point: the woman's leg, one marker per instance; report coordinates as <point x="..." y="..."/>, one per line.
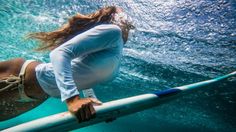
<point x="10" y="67"/>
<point x="9" y="106"/>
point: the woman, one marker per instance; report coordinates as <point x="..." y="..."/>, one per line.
<point x="84" y="52"/>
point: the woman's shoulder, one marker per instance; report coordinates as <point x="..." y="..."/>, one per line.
<point x="110" y="27"/>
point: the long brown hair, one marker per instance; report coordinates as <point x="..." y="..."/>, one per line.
<point x="79" y="22"/>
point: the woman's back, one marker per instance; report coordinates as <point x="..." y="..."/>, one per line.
<point x="89" y="67"/>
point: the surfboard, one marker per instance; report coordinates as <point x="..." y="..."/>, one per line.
<point x="114" y="109"/>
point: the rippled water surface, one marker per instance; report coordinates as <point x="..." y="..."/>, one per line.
<point x="174" y="43"/>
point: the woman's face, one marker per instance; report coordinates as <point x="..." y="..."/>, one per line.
<point x="119" y="10"/>
<point x="121" y="19"/>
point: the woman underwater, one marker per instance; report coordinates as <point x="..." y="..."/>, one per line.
<point x="83" y="53"/>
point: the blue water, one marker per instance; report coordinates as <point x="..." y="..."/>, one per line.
<point x="175" y="43"/>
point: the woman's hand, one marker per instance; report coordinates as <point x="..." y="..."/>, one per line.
<point x="82" y="108"/>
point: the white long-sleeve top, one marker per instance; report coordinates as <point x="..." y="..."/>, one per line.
<point x="89" y="58"/>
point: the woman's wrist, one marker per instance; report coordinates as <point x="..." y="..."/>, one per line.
<point x="71" y="99"/>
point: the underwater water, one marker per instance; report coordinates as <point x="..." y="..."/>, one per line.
<point x="176" y="42"/>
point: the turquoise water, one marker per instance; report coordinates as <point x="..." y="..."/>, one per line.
<point x="175" y="43"/>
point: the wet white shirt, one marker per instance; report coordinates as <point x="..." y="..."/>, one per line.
<point x="89" y="58"/>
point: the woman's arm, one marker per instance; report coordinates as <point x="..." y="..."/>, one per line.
<point x="96" y="39"/>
